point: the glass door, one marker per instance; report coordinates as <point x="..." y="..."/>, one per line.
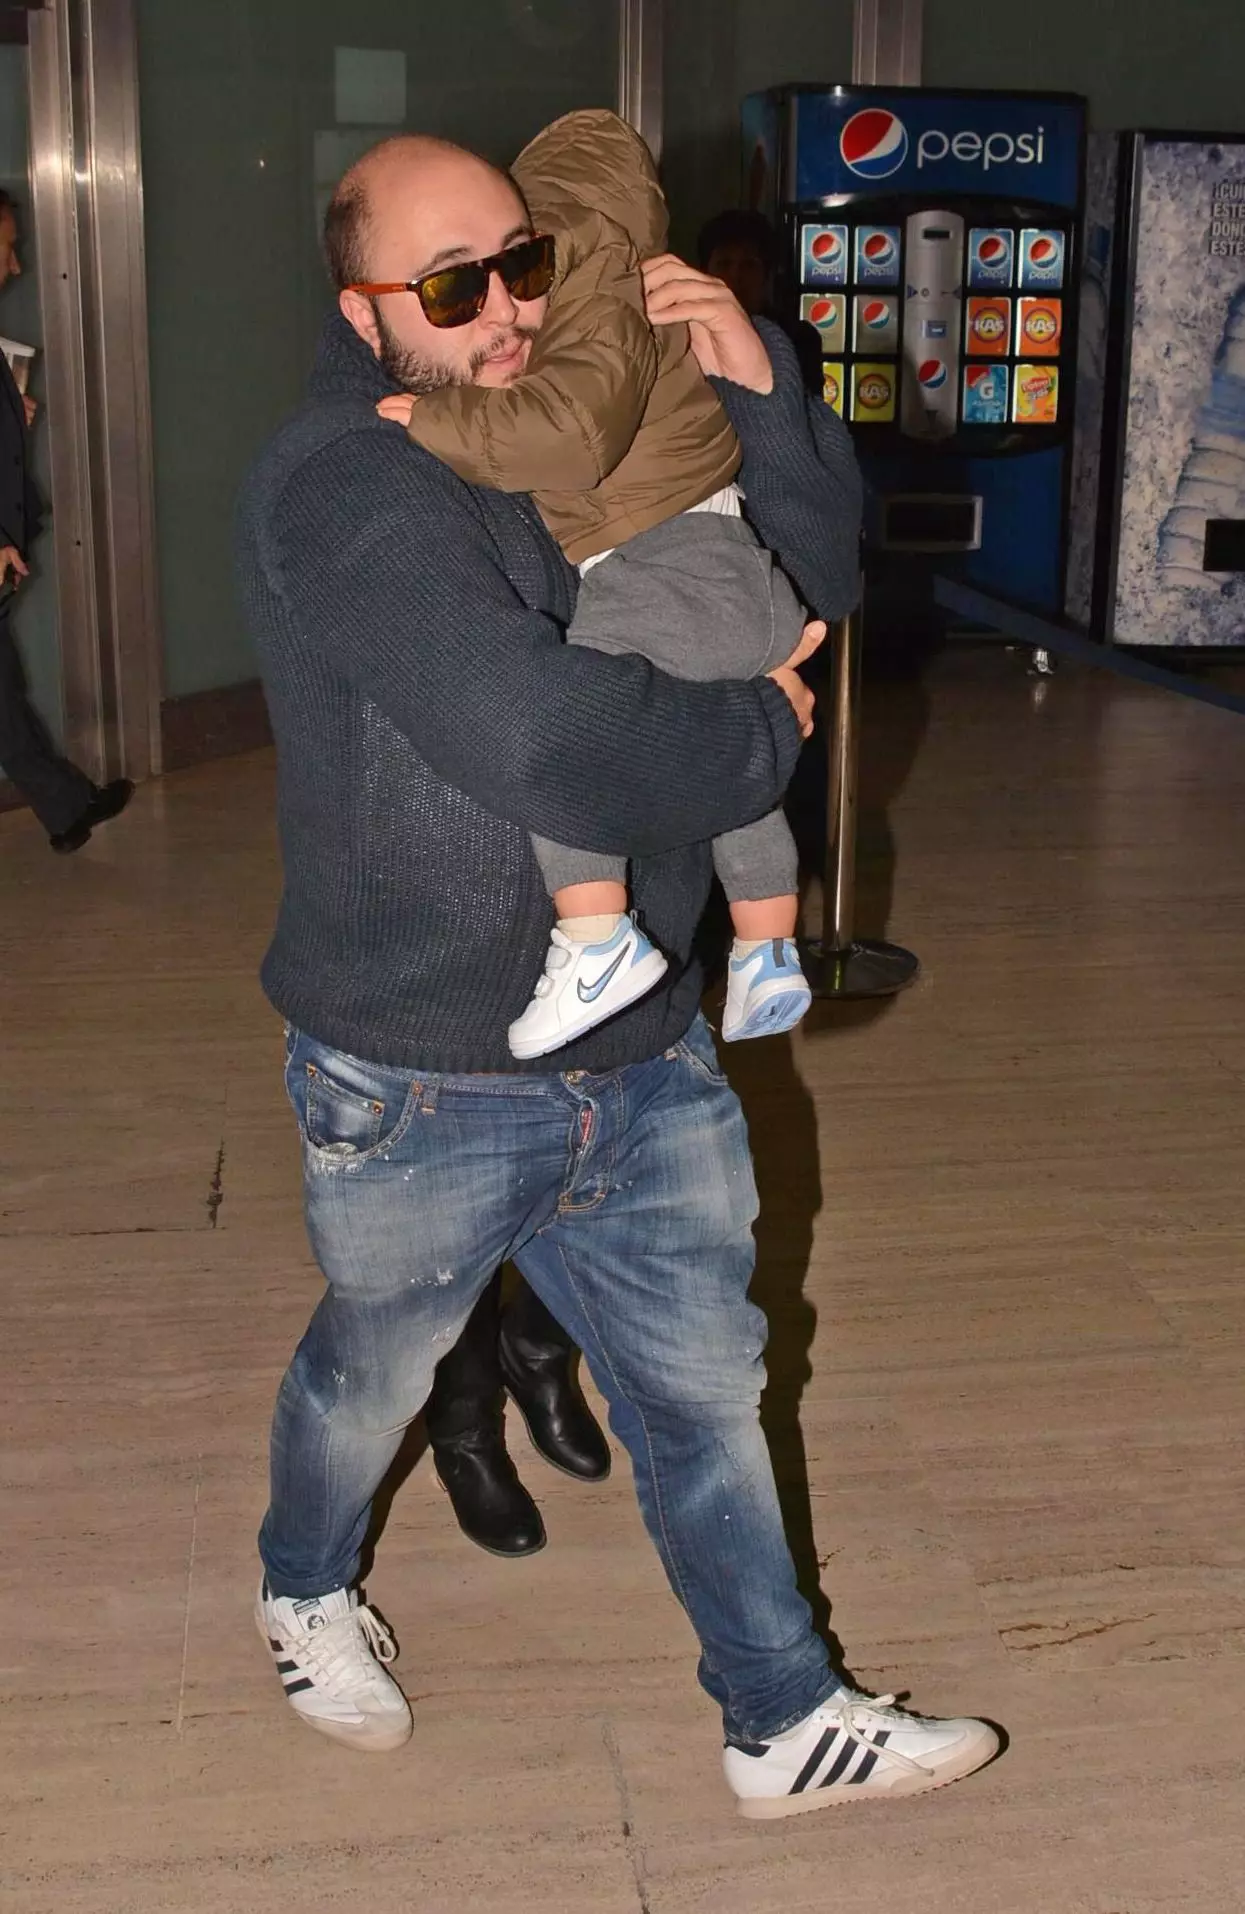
<point x="250" y="111"/>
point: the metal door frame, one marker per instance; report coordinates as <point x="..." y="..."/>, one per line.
<point x="86" y="194"/>
<point x="640" y="69"/>
<point x="887" y="42"/>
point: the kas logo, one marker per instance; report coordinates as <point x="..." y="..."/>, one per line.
<point x="874" y="144"/>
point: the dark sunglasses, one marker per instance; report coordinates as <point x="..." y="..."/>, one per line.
<point x="456" y="295"/>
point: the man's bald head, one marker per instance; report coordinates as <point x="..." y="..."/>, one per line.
<point x="411" y="207"/>
<point x="384" y="182"/>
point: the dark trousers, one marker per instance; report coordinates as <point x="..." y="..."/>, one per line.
<point x="56" y="791"/>
<point x="467" y="1388"/>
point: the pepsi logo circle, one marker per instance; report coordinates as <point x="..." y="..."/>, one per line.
<point x="826" y="246"/>
<point x="1043" y="251"/>
<point x="821" y="312"/>
<point x="876" y="315"/>
<point x="992" y="250"/>
<point x="932" y="374"/>
<point x="874" y="143"/>
<point x="878" y="249"/>
<point x="874" y="391"/>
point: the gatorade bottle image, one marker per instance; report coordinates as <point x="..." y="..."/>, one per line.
<point x="985" y="395"/>
<point x="1212" y="481"/>
<point x="929" y="394"/>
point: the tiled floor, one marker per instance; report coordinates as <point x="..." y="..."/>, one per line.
<point x="1002" y="1253"/>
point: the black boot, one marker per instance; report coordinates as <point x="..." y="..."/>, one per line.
<point x="108" y="802"/>
<point x="538" y="1361"/>
<point x="465" y="1415"/>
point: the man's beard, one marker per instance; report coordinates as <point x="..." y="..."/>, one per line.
<point x="413" y="373"/>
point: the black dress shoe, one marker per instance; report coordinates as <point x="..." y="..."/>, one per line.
<point x="494" y="1509"/>
<point x="559" y="1421"/>
<point x="109" y="802"/>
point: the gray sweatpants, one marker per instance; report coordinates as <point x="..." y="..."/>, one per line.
<point x="700" y="597"/>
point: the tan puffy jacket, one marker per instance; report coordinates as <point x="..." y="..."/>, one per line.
<point x="613" y="428"/>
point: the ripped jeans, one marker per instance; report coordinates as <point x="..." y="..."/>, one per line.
<point x="627" y="1201"/>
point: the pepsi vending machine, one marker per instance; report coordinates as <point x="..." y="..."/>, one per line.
<point x="932" y="240"/>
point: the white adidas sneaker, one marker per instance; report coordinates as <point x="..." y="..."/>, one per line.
<point x="853" y="1749"/>
<point x="329" y="1651"/>
<point x="584" y="984"/>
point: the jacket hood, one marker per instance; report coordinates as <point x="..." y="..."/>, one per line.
<point x="596" y="161"/>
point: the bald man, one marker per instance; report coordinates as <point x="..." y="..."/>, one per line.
<point x="429" y="717"/>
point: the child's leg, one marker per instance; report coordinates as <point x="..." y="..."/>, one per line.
<point x="598" y="961"/>
<point x="766" y="990"/>
<point x="756" y="919"/>
<point x="589" y="912"/>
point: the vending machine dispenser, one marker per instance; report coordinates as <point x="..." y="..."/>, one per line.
<point x="932" y="239"/>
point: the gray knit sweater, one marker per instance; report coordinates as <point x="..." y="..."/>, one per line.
<point x="429" y="716"/>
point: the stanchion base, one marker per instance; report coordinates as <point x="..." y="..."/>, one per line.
<point x="865" y="968"/>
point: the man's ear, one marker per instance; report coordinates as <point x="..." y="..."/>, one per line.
<point x="359" y="312"/>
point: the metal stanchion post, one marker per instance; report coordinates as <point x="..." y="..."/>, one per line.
<point x="837" y="963"/>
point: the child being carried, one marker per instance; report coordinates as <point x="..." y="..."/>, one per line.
<point x="646" y="506"/>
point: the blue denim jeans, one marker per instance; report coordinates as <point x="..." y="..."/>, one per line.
<point x="627" y="1201"/>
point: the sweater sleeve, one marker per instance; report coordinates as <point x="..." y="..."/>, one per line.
<point x="566" y="423"/>
<point x="800" y="480"/>
<point x="411" y="606"/>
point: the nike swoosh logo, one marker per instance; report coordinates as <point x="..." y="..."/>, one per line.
<point x="590" y="995"/>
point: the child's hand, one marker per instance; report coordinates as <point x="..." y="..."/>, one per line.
<point x="398" y="407"/>
<point x="787" y="676"/>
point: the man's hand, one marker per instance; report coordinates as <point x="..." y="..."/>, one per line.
<point x="726" y="343"/>
<point x="398" y="407"/>
<point x="11" y="560"/>
<point x="788" y="679"/>
<point x="31" y="408"/>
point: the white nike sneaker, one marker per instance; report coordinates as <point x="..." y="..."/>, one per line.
<point x="329" y="1650"/>
<point x="584" y="984"/>
<point x="766" y="991"/>
<point x="853" y="1749"/>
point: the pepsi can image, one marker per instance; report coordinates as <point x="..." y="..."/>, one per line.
<point x="1041" y="258"/>
<point x="991" y="256"/>
<point x="877" y="255"/>
<point x="876" y="323"/>
<point x="823" y="255"/>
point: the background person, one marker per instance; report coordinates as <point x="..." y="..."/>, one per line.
<point x="66" y="802"/>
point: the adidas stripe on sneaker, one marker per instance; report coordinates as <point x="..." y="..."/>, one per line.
<point x="853" y="1749"/>
<point x="330" y="1652"/>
